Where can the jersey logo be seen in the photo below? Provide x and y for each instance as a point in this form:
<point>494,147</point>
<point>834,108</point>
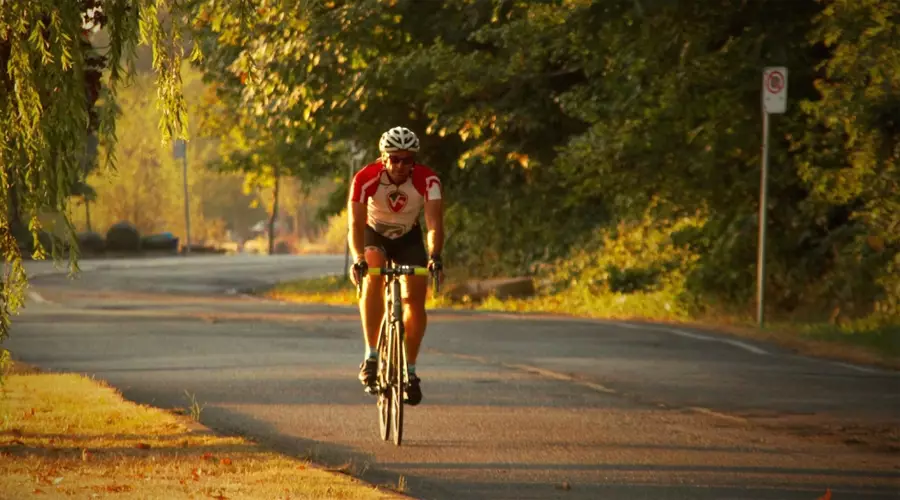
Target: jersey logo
<point>397,200</point>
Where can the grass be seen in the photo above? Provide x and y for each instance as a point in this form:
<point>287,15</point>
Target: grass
<point>859,342</point>
<point>68,435</point>
<point>332,290</point>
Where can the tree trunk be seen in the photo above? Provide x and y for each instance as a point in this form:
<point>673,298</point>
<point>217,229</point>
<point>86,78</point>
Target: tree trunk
<point>274,213</point>
<point>17,228</point>
<point>87,214</point>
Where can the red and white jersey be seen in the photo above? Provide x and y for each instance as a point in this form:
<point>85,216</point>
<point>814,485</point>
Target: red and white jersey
<point>393,210</point>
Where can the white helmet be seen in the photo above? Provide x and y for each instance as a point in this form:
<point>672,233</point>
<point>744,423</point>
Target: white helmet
<point>398,138</point>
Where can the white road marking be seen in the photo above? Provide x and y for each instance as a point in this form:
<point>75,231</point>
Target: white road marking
<point>35,296</point>
<point>857,368</point>
<point>736,343</point>
<point>560,376</point>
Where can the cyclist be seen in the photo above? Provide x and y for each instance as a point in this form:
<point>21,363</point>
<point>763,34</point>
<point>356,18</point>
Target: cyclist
<point>386,198</point>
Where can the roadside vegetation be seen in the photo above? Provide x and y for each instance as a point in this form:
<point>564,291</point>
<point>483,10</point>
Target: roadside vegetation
<point>860,342</point>
<point>66,435</point>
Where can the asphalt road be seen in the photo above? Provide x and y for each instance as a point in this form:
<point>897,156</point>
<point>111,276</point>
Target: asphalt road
<point>514,408</point>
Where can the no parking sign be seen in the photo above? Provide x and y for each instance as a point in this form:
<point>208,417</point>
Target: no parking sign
<point>775,81</point>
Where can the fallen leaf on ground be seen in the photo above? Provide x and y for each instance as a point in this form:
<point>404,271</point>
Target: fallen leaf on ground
<point>827,495</point>
<point>142,446</point>
<point>226,461</point>
<point>564,486</point>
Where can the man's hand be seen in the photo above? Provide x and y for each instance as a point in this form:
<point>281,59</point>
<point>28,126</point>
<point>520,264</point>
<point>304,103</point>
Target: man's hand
<point>359,270</point>
<point>436,267</point>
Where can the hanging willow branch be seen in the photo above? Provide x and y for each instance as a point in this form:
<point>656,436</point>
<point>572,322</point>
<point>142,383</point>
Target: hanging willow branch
<point>48,87</point>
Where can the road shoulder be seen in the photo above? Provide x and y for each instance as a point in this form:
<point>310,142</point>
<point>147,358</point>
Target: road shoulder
<point>67,434</point>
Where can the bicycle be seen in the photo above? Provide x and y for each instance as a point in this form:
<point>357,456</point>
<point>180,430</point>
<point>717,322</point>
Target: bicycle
<point>393,373</point>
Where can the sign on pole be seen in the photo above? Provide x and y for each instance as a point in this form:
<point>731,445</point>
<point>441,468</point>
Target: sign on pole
<point>775,81</point>
<point>179,150</point>
<point>774,101</point>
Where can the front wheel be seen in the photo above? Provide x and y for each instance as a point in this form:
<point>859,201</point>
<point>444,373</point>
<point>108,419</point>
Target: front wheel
<point>398,382</point>
<point>384,394</point>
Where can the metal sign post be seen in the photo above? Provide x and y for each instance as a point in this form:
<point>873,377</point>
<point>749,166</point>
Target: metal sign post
<point>180,151</point>
<point>774,101</point>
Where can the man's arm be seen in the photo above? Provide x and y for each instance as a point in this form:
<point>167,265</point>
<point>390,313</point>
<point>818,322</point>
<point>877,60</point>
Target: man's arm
<point>356,213</point>
<point>434,219</point>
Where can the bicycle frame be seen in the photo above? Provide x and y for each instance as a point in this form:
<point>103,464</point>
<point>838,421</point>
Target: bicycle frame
<point>393,372</point>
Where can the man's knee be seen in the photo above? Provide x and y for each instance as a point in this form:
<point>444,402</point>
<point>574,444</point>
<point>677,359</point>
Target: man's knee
<point>373,286</point>
<point>414,298</point>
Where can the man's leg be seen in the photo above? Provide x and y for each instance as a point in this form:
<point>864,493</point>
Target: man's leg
<point>371,311</point>
<point>415,319</point>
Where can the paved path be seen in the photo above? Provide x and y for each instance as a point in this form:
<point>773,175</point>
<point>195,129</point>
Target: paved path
<point>514,408</point>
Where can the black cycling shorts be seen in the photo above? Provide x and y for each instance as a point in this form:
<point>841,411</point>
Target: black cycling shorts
<point>408,249</point>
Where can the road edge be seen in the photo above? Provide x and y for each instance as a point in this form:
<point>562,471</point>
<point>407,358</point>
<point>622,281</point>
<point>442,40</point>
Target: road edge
<point>16,367</point>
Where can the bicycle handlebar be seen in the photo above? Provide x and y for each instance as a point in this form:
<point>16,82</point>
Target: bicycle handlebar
<point>403,270</point>
<point>400,271</point>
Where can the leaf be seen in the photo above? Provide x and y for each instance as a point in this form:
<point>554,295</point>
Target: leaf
<point>142,446</point>
<point>226,461</point>
<point>207,456</point>
<point>826,496</point>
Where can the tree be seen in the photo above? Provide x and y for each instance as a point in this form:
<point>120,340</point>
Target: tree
<point>48,87</point>
<point>552,120</point>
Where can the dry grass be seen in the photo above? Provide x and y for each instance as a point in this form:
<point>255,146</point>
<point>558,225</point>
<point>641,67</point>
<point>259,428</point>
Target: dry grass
<point>67,436</point>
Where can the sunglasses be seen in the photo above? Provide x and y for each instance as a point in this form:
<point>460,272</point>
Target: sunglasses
<point>396,160</point>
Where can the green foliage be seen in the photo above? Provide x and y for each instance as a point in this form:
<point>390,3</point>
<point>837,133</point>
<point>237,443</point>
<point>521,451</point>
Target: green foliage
<point>643,257</point>
<point>49,85</point>
<point>549,121</point>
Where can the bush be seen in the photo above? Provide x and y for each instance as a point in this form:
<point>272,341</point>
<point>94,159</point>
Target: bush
<point>283,248</point>
<point>335,238</point>
<point>123,237</point>
<point>91,242</point>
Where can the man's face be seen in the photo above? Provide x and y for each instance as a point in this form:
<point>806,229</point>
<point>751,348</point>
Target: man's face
<point>399,165</point>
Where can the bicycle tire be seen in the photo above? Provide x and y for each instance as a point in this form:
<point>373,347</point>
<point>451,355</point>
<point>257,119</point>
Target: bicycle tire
<point>384,401</point>
<point>398,382</point>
